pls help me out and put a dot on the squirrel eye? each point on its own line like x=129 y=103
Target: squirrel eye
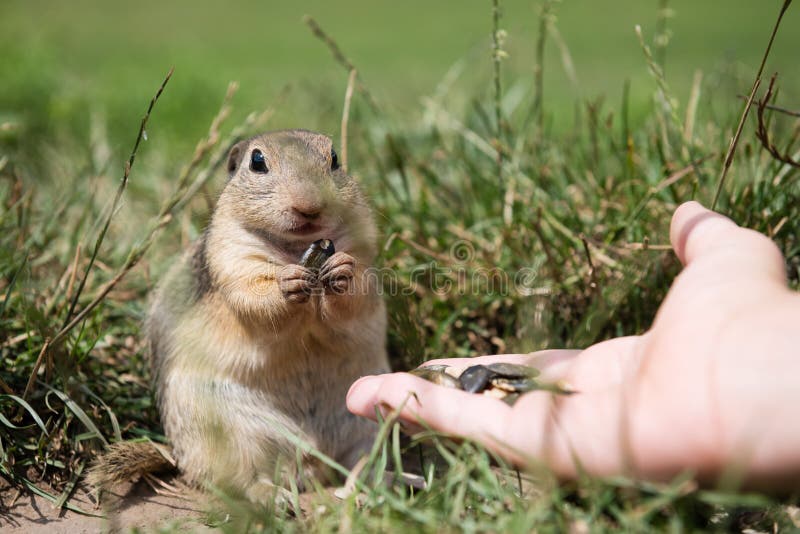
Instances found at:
x=334 y=160
x=258 y=163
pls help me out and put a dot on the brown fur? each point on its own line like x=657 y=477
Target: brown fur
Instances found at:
x=251 y=351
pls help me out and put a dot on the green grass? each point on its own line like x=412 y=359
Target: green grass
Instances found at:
x=598 y=169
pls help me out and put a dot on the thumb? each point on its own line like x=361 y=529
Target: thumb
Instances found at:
x=698 y=234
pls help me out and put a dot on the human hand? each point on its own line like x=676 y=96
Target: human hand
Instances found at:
x=711 y=386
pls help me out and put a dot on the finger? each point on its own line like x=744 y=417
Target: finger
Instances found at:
x=338 y=260
x=552 y=364
x=444 y=409
x=294 y=271
x=295 y=286
x=339 y=286
x=698 y=234
x=343 y=272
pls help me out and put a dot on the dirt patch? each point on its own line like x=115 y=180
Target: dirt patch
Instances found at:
x=137 y=506
x=130 y=506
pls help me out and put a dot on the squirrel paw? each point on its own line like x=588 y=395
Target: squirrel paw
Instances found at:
x=337 y=272
x=297 y=283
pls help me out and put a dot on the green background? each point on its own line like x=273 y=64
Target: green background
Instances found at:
x=61 y=60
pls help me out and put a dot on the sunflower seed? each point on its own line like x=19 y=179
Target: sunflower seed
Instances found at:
x=317 y=253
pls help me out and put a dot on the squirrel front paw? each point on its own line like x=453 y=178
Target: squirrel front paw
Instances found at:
x=337 y=273
x=297 y=283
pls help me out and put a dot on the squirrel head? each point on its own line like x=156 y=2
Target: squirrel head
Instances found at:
x=288 y=187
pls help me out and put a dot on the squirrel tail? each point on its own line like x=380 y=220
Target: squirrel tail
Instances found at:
x=126 y=460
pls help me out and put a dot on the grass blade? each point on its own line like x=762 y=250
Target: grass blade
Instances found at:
x=79 y=413
x=28 y=408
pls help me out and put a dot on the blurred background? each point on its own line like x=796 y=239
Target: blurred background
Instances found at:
x=59 y=61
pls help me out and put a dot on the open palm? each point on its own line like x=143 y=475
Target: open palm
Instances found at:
x=711 y=385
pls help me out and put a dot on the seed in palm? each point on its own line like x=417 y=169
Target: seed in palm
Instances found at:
x=503 y=381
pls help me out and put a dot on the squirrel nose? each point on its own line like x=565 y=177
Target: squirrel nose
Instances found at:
x=307 y=212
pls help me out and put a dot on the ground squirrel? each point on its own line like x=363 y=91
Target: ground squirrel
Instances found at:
x=248 y=347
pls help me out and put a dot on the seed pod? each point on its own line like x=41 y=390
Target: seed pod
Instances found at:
x=515 y=385
x=559 y=388
x=495 y=393
x=317 y=253
x=502 y=381
x=436 y=367
x=512 y=370
x=475 y=378
x=437 y=377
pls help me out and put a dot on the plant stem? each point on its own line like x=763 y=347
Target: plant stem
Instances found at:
x=735 y=140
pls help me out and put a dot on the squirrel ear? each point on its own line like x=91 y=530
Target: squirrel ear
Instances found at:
x=234 y=157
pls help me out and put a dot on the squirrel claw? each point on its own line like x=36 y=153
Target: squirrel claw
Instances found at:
x=297 y=283
x=338 y=272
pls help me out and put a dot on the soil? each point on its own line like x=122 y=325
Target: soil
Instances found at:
x=132 y=506
x=136 y=506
